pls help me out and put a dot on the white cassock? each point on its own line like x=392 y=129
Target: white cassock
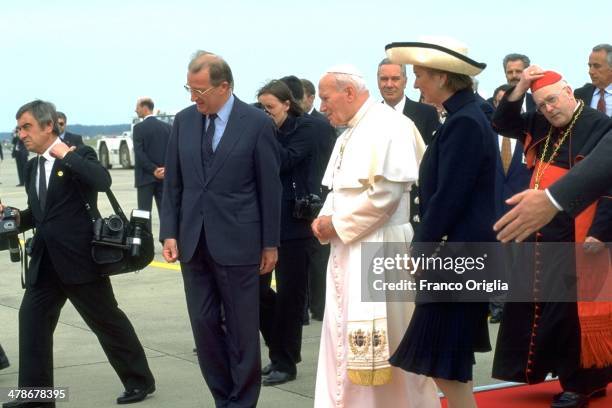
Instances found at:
x=373 y=164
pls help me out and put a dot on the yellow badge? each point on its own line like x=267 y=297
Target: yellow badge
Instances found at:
x=60 y=173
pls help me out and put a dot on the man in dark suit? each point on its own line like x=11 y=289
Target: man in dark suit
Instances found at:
x=308 y=101
x=598 y=94
x=61 y=266
x=71 y=139
x=20 y=154
x=392 y=84
x=150 y=141
x=511 y=177
x=221 y=219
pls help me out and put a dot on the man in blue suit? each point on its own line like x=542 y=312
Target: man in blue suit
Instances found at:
x=221 y=219
x=511 y=177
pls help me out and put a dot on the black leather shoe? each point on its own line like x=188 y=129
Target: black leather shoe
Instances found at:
x=267 y=369
x=568 y=399
x=318 y=318
x=135 y=395
x=28 y=404
x=277 y=377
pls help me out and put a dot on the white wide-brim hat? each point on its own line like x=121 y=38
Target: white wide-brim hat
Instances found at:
x=441 y=53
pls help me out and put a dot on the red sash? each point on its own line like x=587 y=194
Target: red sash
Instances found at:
x=592 y=274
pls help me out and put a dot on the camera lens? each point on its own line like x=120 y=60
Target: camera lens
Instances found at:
x=114 y=223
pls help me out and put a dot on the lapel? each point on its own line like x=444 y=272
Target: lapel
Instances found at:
x=409 y=109
x=230 y=136
x=193 y=144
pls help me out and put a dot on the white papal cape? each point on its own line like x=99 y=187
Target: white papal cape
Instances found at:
x=370 y=171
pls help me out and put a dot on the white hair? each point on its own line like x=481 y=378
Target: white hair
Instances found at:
x=345 y=75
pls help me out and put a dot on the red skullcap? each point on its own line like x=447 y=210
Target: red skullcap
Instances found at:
x=549 y=78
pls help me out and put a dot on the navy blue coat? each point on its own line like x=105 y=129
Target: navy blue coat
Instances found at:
x=237 y=202
x=515 y=181
x=150 y=141
x=457 y=176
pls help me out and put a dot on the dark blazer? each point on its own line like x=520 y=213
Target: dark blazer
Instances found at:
x=316 y=114
x=72 y=139
x=64 y=227
x=457 y=176
x=150 y=141
x=516 y=180
x=585 y=93
x=304 y=141
x=424 y=116
x=237 y=202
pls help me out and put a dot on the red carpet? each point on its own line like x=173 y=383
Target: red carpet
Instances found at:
x=529 y=396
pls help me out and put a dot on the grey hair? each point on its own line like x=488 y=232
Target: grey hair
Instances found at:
x=387 y=61
x=515 y=57
x=218 y=69
x=44 y=113
x=608 y=49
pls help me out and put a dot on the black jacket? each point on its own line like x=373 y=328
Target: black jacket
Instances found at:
x=72 y=139
x=424 y=116
x=150 y=143
x=585 y=93
x=64 y=227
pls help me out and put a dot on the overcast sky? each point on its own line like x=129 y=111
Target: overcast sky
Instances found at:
x=94 y=58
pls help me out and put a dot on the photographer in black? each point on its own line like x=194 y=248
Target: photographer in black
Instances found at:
x=281 y=311
x=61 y=265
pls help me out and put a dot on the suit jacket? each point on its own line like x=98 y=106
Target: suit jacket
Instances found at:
x=424 y=116
x=19 y=148
x=150 y=141
x=316 y=114
x=72 y=139
x=508 y=184
x=325 y=137
x=457 y=176
x=64 y=226
x=585 y=93
x=236 y=203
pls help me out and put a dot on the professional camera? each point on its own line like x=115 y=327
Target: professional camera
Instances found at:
x=110 y=230
x=307 y=207
x=9 y=232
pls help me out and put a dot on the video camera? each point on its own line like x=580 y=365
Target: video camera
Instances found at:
x=9 y=233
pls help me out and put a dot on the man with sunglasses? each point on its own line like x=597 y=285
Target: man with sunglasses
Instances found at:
x=221 y=219
x=71 y=139
x=563 y=337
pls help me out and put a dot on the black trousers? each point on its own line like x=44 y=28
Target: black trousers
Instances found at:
x=282 y=311
x=20 y=160
x=145 y=195
x=95 y=302
x=317 y=275
x=228 y=349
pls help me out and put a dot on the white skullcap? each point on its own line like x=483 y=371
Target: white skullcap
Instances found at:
x=346 y=69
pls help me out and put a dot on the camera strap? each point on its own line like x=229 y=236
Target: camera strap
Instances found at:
x=111 y=198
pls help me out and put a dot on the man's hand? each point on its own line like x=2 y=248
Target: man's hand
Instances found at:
x=269 y=256
x=532 y=211
x=17 y=216
x=60 y=150
x=529 y=74
x=158 y=173
x=323 y=228
x=170 y=251
x=592 y=245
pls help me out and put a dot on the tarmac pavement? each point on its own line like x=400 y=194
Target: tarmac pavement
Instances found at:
x=154 y=301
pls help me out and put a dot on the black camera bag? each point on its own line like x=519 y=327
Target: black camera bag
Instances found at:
x=113 y=258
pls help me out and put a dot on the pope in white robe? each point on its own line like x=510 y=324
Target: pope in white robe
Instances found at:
x=370 y=172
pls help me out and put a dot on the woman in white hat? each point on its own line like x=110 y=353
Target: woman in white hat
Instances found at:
x=456 y=180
